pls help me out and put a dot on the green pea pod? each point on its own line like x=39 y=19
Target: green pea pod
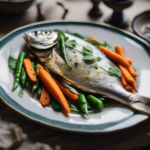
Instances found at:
x=83 y=103
x=18 y=70
x=56 y=106
x=101 y=99
x=63 y=50
x=95 y=102
x=36 y=85
x=23 y=77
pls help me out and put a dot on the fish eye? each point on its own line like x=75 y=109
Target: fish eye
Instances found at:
x=45 y=32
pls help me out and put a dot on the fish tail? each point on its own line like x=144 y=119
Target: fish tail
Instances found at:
x=142 y=104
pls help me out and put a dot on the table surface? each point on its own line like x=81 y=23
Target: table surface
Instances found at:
x=24 y=134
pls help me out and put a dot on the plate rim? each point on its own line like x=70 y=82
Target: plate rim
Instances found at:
x=71 y=22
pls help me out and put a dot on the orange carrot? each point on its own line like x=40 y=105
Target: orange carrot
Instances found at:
x=31 y=56
x=114 y=57
x=132 y=72
x=90 y=38
x=29 y=70
x=66 y=91
x=123 y=80
x=119 y=51
x=39 y=66
x=128 y=88
x=127 y=76
x=129 y=60
x=45 y=97
x=130 y=68
x=53 y=88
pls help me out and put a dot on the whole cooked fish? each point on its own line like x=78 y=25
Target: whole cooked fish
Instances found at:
x=82 y=76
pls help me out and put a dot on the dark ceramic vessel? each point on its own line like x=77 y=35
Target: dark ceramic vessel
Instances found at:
x=15 y=7
x=118 y=18
x=141 y=25
x=95 y=10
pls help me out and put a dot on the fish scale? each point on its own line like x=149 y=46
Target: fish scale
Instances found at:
x=86 y=78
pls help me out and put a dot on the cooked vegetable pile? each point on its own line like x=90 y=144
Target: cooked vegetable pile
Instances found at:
x=29 y=73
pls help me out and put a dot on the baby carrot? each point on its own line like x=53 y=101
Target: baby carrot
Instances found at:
x=66 y=91
x=90 y=38
x=31 y=56
x=123 y=80
x=128 y=88
x=132 y=72
x=130 y=68
x=45 y=97
x=39 y=66
x=53 y=88
x=114 y=57
x=129 y=60
x=119 y=51
x=127 y=76
x=29 y=70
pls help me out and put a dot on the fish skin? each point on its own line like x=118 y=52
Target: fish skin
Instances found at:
x=89 y=79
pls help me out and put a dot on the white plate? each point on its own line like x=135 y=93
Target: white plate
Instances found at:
x=112 y=118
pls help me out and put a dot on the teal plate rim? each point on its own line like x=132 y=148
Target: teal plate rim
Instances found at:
x=58 y=124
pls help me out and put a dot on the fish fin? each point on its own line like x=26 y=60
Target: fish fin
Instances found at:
x=142 y=104
x=60 y=78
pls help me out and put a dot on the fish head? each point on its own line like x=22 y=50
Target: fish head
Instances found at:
x=41 y=39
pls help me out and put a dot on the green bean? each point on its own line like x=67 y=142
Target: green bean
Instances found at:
x=23 y=77
x=36 y=85
x=63 y=50
x=56 y=106
x=95 y=102
x=83 y=103
x=18 y=70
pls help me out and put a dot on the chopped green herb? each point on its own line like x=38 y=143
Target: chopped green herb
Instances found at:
x=98 y=59
x=75 y=34
x=87 y=50
x=12 y=62
x=20 y=93
x=72 y=107
x=113 y=71
x=71 y=44
x=89 y=58
x=70 y=88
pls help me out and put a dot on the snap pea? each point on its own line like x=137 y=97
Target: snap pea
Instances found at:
x=63 y=50
x=83 y=103
x=39 y=90
x=36 y=85
x=101 y=99
x=23 y=77
x=56 y=106
x=95 y=102
x=18 y=70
